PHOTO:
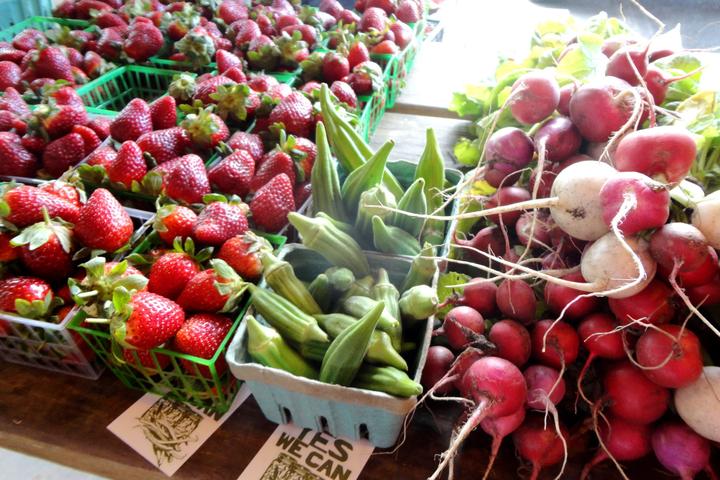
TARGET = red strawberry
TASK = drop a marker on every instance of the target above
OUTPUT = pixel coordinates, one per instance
(226, 60)
(310, 87)
(232, 175)
(386, 47)
(242, 253)
(110, 43)
(9, 120)
(64, 190)
(304, 152)
(366, 78)
(187, 181)
(145, 358)
(302, 193)
(212, 290)
(9, 75)
(219, 221)
(272, 203)
(27, 296)
(10, 54)
(101, 126)
(23, 205)
(143, 41)
(201, 336)
(63, 153)
(388, 5)
(231, 11)
(165, 145)
(172, 221)
(90, 138)
(246, 31)
(109, 19)
(94, 65)
(280, 91)
(286, 21)
(103, 223)
(273, 164)
(102, 278)
(266, 25)
(333, 7)
(129, 165)
(163, 113)
(132, 121)
(348, 17)
(103, 156)
(235, 73)
(65, 95)
(46, 249)
(209, 87)
(249, 142)
(59, 120)
(14, 102)
(83, 8)
(73, 55)
(261, 83)
(29, 39)
(403, 34)
(145, 320)
(8, 252)
(170, 273)
(308, 32)
(64, 9)
(205, 129)
(408, 11)
(373, 18)
(52, 63)
(16, 160)
(295, 113)
(33, 143)
(344, 93)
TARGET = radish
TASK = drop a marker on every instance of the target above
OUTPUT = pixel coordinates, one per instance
(553, 261)
(623, 441)
(555, 344)
(663, 153)
(534, 97)
(512, 341)
(613, 44)
(670, 356)
(698, 404)
(706, 295)
(499, 428)
(654, 304)
(498, 389)
(657, 54)
(479, 294)
(680, 450)
(558, 297)
(651, 199)
(566, 93)
(658, 84)
(598, 334)
(540, 445)
(622, 61)
(706, 218)
(438, 363)
(507, 196)
(462, 326)
(507, 152)
(489, 239)
(559, 137)
(532, 233)
(631, 396)
(545, 387)
(516, 300)
(701, 275)
(602, 107)
(567, 247)
(680, 243)
(546, 180)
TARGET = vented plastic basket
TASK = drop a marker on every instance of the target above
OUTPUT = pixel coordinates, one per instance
(32, 21)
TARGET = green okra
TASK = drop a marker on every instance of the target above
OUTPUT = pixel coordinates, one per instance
(393, 240)
(413, 201)
(322, 291)
(358, 306)
(280, 275)
(387, 379)
(419, 302)
(362, 287)
(298, 328)
(365, 177)
(337, 247)
(385, 291)
(339, 278)
(422, 269)
(374, 201)
(380, 351)
(342, 226)
(431, 167)
(267, 347)
(327, 196)
(347, 351)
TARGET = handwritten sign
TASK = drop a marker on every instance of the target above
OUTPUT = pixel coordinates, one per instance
(293, 453)
(167, 433)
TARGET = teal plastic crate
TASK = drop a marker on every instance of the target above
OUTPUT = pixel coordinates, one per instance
(15, 11)
(37, 22)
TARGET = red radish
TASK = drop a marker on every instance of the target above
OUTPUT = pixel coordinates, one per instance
(507, 196)
(657, 54)
(651, 202)
(538, 228)
(544, 385)
(706, 218)
(654, 304)
(663, 153)
(498, 389)
(580, 157)
(555, 345)
(658, 84)
(553, 261)
(671, 359)
(701, 275)
(534, 97)
(621, 63)
(706, 295)
(558, 297)
(438, 363)
(602, 107)
(538, 444)
(512, 341)
(698, 404)
(566, 93)
(499, 428)
(680, 243)
(546, 180)
(489, 239)
(559, 137)
(612, 44)
(566, 246)
(624, 442)
(631, 396)
(516, 300)
(597, 332)
(507, 152)
(462, 326)
(479, 294)
(680, 450)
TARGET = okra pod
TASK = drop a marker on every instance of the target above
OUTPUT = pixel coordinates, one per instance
(340, 279)
(379, 352)
(321, 290)
(359, 306)
(387, 379)
(347, 351)
(412, 201)
(431, 166)
(342, 226)
(327, 196)
(367, 176)
(280, 275)
(267, 347)
(336, 246)
(422, 268)
(386, 292)
(419, 302)
(393, 240)
(372, 202)
(362, 287)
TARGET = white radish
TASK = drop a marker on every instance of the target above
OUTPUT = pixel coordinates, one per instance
(706, 218)
(698, 404)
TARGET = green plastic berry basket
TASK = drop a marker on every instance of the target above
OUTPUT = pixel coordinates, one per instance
(114, 90)
(168, 64)
(397, 67)
(17, 25)
(204, 383)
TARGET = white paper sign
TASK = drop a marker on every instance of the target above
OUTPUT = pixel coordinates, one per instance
(293, 453)
(167, 433)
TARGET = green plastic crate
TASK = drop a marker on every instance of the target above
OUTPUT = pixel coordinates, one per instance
(37, 22)
(203, 383)
(397, 68)
(114, 90)
(167, 64)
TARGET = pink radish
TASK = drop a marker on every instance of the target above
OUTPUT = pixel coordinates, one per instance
(663, 153)
(559, 137)
(698, 404)
(631, 396)
(546, 180)
(553, 261)
(558, 297)
(554, 345)
(680, 243)
(658, 84)
(600, 108)
(534, 97)
(566, 93)
(539, 443)
(704, 273)
(544, 385)
(598, 334)
(489, 239)
(707, 294)
(499, 428)
(613, 44)
(670, 356)
(507, 196)
(657, 54)
(439, 361)
(680, 450)
(512, 341)
(538, 230)
(516, 300)
(654, 304)
(621, 63)
(462, 326)
(507, 152)
(479, 294)
(652, 202)
(706, 218)
(624, 441)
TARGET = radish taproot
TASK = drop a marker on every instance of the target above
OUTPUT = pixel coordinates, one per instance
(540, 444)
(533, 232)
(560, 298)
(507, 152)
(601, 340)
(698, 404)
(680, 450)
(504, 197)
(499, 428)
(489, 239)
(670, 356)
(512, 341)
(534, 97)
(622, 440)
(631, 396)
(479, 294)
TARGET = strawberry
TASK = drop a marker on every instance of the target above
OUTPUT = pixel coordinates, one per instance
(235, 73)
(132, 121)
(302, 193)
(348, 17)
(308, 33)
(103, 223)
(266, 25)
(295, 114)
(63, 190)
(388, 5)
(101, 126)
(94, 65)
(262, 54)
(261, 83)
(366, 78)
(198, 46)
(143, 41)
(90, 138)
(23, 205)
(242, 253)
(250, 142)
(246, 31)
(170, 273)
(73, 55)
(272, 203)
(163, 113)
(172, 221)
(386, 47)
(373, 18)
(63, 153)
(280, 91)
(187, 181)
(102, 278)
(16, 160)
(226, 60)
(213, 290)
(129, 165)
(64, 9)
(333, 7)
(145, 358)
(27, 296)
(209, 87)
(272, 164)
(83, 8)
(10, 54)
(403, 34)
(9, 75)
(110, 43)
(9, 121)
(14, 102)
(46, 249)
(232, 175)
(64, 95)
(33, 143)
(231, 11)
(29, 39)
(58, 120)
(344, 93)
(286, 21)
(110, 19)
(144, 320)
(304, 152)
(408, 11)
(205, 129)
(310, 87)
(103, 156)
(8, 252)
(165, 145)
(52, 63)
(201, 336)
(219, 221)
